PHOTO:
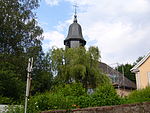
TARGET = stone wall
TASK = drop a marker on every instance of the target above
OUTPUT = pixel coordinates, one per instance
(126, 108)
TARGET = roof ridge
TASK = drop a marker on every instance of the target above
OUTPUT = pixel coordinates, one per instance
(141, 62)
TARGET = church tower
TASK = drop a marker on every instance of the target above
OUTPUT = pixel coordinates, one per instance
(74, 38)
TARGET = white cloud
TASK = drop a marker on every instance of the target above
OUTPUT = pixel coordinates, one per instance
(52, 2)
(81, 2)
(139, 6)
(63, 25)
(120, 28)
(53, 38)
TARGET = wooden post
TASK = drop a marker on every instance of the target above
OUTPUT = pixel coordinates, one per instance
(29, 69)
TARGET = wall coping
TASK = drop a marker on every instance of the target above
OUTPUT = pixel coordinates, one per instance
(101, 108)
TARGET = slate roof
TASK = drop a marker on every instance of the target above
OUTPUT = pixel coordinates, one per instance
(75, 32)
(117, 78)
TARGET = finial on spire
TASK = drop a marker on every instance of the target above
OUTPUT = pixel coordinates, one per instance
(75, 11)
(75, 8)
(75, 19)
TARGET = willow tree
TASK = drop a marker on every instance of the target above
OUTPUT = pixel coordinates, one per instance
(78, 65)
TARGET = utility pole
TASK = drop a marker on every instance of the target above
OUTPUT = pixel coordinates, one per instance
(29, 69)
(123, 77)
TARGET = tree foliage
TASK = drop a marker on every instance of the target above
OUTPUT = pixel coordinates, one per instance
(125, 69)
(42, 77)
(105, 95)
(138, 60)
(142, 95)
(77, 65)
(20, 39)
(73, 96)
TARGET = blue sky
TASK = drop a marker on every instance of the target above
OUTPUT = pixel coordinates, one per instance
(52, 15)
(120, 28)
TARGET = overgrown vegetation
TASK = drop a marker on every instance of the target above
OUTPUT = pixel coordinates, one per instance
(77, 65)
(73, 96)
(15, 109)
(136, 96)
(20, 39)
(60, 78)
(125, 69)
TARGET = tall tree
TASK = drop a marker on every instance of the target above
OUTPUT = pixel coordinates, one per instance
(138, 60)
(125, 69)
(20, 38)
(77, 65)
(42, 78)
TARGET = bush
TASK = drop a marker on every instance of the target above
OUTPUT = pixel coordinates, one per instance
(142, 95)
(5, 100)
(15, 109)
(73, 96)
(105, 95)
(74, 89)
(64, 98)
(83, 101)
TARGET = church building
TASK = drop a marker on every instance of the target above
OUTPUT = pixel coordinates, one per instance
(75, 39)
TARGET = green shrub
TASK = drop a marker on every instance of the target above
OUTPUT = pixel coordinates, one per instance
(35, 103)
(74, 89)
(15, 109)
(5, 100)
(83, 101)
(142, 95)
(65, 98)
(105, 95)
(50, 101)
(73, 96)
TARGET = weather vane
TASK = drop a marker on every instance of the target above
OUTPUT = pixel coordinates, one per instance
(75, 8)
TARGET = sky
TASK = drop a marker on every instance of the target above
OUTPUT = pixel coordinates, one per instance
(119, 28)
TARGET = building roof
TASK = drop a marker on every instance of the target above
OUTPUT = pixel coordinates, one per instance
(120, 79)
(75, 31)
(135, 68)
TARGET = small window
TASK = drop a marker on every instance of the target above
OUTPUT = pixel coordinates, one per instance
(149, 78)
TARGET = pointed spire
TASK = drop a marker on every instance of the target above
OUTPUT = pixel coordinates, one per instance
(74, 38)
(75, 11)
